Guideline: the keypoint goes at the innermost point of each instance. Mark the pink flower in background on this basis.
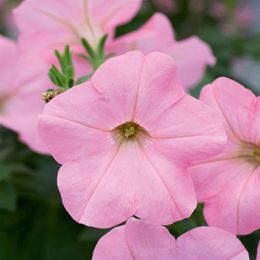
(23, 79)
(66, 22)
(229, 183)
(191, 55)
(139, 240)
(57, 23)
(124, 139)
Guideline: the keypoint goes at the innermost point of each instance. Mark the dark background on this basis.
(33, 223)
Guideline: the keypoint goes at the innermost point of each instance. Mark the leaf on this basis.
(7, 196)
(84, 79)
(101, 46)
(88, 48)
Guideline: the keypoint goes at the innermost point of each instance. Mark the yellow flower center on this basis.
(251, 153)
(129, 131)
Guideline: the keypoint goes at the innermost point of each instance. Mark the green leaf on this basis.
(101, 46)
(7, 196)
(65, 77)
(88, 48)
(84, 79)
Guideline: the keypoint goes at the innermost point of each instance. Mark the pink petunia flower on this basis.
(22, 82)
(139, 240)
(229, 183)
(124, 139)
(58, 23)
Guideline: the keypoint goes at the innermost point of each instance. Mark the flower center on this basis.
(129, 131)
(251, 153)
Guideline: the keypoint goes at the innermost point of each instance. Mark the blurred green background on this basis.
(33, 223)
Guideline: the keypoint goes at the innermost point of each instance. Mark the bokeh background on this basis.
(33, 223)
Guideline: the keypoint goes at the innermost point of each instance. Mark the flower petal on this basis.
(111, 13)
(239, 213)
(107, 189)
(210, 243)
(48, 16)
(146, 39)
(173, 136)
(113, 245)
(181, 199)
(158, 90)
(138, 240)
(192, 55)
(83, 130)
(8, 51)
(118, 80)
(233, 102)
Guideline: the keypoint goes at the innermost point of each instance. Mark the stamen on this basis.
(130, 131)
(251, 153)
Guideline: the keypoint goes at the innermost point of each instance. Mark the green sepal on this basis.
(83, 79)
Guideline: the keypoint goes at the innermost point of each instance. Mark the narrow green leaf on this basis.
(101, 46)
(70, 83)
(88, 48)
(84, 79)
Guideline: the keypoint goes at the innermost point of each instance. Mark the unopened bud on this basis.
(50, 94)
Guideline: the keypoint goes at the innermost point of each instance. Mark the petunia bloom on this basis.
(139, 240)
(22, 81)
(124, 139)
(57, 23)
(229, 183)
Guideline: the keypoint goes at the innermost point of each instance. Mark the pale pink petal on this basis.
(67, 21)
(146, 39)
(158, 90)
(210, 243)
(113, 245)
(212, 176)
(20, 95)
(83, 131)
(48, 16)
(236, 207)
(118, 80)
(138, 240)
(254, 125)
(249, 204)
(233, 102)
(181, 142)
(8, 51)
(136, 84)
(22, 110)
(111, 13)
(108, 188)
(181, 199)
(192, 56)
